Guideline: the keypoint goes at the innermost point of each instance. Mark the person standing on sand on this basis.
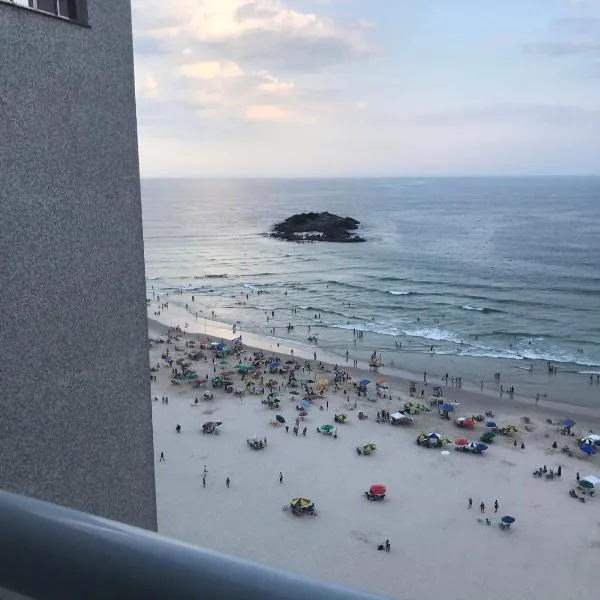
(204, 481)
(482, 507)
(280, 477)
(387, 545)
(227, 481)
(425, 377)
(162, 458)
(496, 506)
(470, 503)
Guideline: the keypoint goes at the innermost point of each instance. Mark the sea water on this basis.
(465, 275)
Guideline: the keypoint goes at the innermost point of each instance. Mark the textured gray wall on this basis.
(75, 414)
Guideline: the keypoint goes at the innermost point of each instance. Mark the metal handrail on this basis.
(53, 553)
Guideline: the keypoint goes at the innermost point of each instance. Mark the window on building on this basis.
(70, 9)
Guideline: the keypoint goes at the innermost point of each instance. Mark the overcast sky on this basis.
(367, 87)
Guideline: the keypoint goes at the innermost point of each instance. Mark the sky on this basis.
(337, 88)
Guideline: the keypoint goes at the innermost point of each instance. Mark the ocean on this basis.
(470, 276)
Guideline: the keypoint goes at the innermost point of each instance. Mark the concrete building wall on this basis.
(75, 414)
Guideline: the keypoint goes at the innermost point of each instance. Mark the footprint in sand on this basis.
(364, 537)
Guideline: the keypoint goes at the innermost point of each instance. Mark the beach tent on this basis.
(591, 479)
(446, 407)
(399, 417)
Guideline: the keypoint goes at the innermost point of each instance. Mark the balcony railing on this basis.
(54, 553)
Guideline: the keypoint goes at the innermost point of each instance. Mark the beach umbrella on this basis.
(300, 502)
(434, 436)
(192, 376)
(461, 442)
(305, 404)
(480, 446)
(294, 393)
(447, 407)
(323, 382)
(364, 382)
(369, 447)
(491, 425)
(586, 449)
(511, 429)
(223, 362)
(508, 520)
(378, 489)
(568, 423)
(588, 441)
(327, 428)
(280, 418)
(587, 485)
(244, 367)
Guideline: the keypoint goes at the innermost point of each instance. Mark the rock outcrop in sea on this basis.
(317, 227)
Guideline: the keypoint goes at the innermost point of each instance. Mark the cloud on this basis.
(550, 114)
(561, 48)
(238, 63)
(147, 86)
(274, 113)
(262, 32)
(211, 70)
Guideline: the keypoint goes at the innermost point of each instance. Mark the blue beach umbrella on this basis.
(568, 423)
(447, 407)
(508, 520)
(491, 424)
(364, 382)
(481, 446)
(434, 436)
(586, 449)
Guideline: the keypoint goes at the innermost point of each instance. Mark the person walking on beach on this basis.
(482, 507)
(162, 458)
(425, 377)
(304, 432)
(470, 503)
(227, 481)
(387, 545)
(204, 481)
(496, 506)
(280, 477)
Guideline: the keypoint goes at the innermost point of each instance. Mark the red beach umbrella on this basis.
(469, 423)
(378, 489)
(461, 442)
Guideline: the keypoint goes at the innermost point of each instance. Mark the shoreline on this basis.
(569, 386)
(401, 379)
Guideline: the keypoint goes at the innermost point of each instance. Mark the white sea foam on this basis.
(398, 293)
(433, 333)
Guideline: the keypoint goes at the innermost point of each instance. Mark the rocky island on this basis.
(317, 227)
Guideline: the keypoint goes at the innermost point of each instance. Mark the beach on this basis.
(437, 542)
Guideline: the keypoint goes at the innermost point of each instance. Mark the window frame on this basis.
(81, 14)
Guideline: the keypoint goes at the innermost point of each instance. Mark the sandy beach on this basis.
(438, 544)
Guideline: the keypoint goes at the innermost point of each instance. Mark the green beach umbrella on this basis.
(327, 427)
(223, 362)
